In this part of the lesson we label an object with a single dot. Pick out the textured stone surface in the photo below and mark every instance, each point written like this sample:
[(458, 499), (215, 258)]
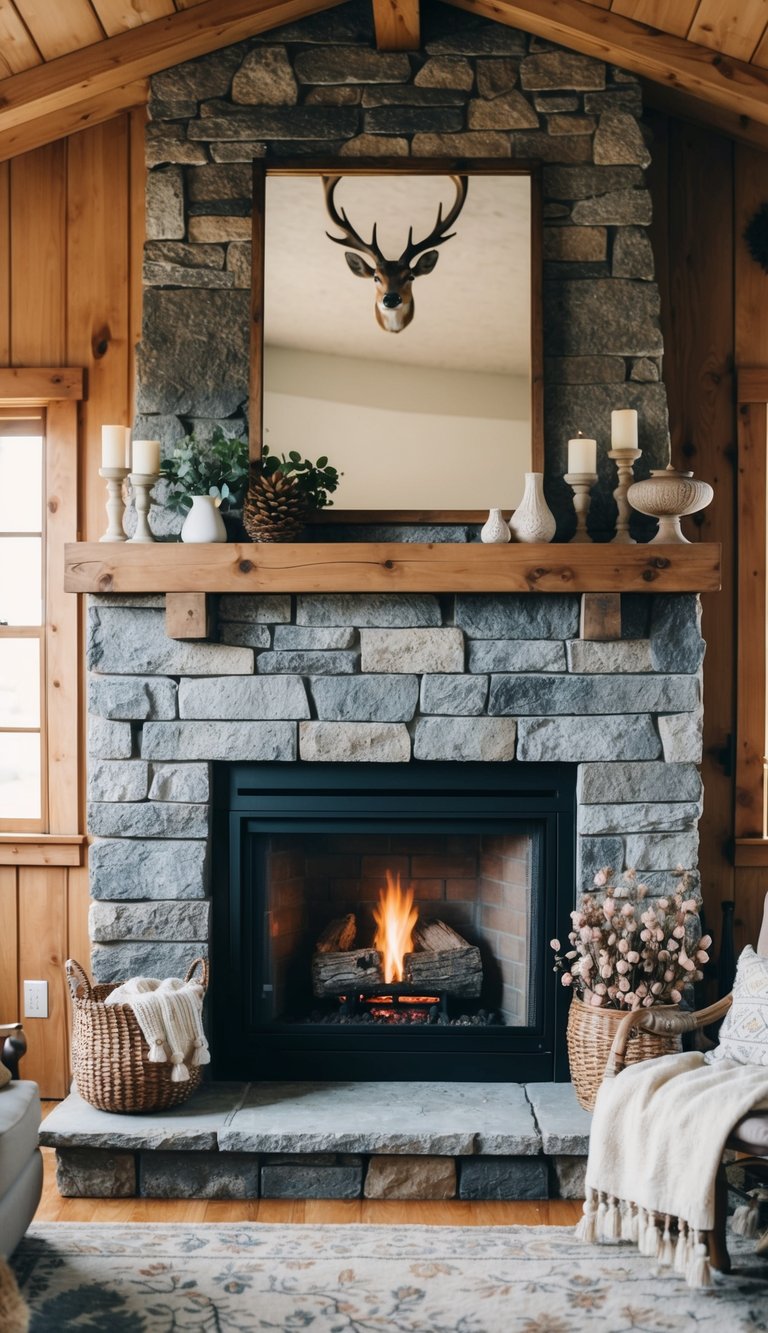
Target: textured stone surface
[(132, 697), (503, 1178), (375, 145), (219, 182), (367, 610), (682, 737), (676, 642), (243, 698), (109, 740), (619, 139), (412, 650), (480, 143), (562, 181), (151, 958), (213, 227), (166, 143), (638, 817), (575, 244), (365, 698), (413, 119), (277, 123), (273, 608), (632, 254), (193, 1125), (219, 740), (408, 1177), (288, 637), (495, 77), (550, 694), (570, 1174), (461, 696), (134, 641), (95, 1173), (196, 79), (311, 1182), (265, 78), (595, 854), (446, 72), (109, 921), (621, 208), (198, 1175), (474, 37), (601, 783), (118, 780), (573, 739), (307, 663), (585, 369), (122, 869), (486, 739), (165, 204), (180, 782), (351, 65), (623, 656), (181, 369), (561, 69), (354, 742), (422, 1118), (610, 315), (147, 819), (563, 1124), (517, 616), (661, 851), (510, 111), (516, 655)]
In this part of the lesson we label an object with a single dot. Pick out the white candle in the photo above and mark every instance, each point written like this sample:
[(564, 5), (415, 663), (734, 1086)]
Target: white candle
[(582, 455), (624, 428), (146, 457), (114, 446)]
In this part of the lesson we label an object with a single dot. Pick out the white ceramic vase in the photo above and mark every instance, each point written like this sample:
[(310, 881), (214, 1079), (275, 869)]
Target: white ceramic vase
[(495, 530), (669, 495), (533, 520), (203, 522)]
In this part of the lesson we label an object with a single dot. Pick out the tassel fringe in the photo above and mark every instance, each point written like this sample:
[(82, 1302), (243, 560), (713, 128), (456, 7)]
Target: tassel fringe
[(666, 1249), (699, 1274), (586, 1229), (608, 1219), (744, 1220), (612, 1221), (156, 1052), (680, 1264)]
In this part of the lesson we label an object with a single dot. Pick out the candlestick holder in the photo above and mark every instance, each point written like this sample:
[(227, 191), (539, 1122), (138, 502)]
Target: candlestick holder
[(114, 477), (581, 484), (624, 460), (142, 483)]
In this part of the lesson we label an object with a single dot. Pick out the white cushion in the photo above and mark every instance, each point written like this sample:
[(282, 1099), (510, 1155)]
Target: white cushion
[(744, 1033), (19, 1125)]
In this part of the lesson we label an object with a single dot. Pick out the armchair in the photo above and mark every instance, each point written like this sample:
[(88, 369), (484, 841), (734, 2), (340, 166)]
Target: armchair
[(21, 1163)]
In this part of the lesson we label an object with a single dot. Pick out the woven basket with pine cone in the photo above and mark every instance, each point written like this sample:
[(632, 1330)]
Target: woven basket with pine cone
[(283, 494)]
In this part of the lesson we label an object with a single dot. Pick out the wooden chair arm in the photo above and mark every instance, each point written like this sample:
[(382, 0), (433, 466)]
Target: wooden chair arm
[(660, 1020), (9, 1027)]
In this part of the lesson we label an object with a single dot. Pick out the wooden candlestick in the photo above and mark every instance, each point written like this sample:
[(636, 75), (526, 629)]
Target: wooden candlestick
[(581, 484), (624, 460), (114, 477), (142, 484)]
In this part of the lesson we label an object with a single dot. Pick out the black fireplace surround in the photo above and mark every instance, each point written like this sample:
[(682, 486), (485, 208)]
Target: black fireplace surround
[(261, 981)]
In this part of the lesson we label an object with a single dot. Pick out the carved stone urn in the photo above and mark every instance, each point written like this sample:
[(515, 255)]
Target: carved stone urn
[(533, 520), (669, 495)]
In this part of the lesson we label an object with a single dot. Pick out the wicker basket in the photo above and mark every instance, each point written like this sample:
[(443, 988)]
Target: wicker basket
[(590, 1035), (109, 1053)]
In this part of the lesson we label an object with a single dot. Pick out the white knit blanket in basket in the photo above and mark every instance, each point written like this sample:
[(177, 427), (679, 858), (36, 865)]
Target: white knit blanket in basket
[(657, 1138), (170, 1015)]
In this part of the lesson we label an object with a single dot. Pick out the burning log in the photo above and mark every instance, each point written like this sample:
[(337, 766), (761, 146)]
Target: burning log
[(335, 973), (444, 961), (338, 935)]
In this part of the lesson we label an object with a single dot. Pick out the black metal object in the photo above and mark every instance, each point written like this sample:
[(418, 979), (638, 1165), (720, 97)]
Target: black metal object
[(253, 801)]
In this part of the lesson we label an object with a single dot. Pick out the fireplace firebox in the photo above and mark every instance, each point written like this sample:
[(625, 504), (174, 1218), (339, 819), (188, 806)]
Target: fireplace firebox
[(389, 922)]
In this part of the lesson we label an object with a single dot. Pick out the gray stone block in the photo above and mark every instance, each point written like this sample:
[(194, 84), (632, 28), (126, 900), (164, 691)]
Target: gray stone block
[(374, 145), (446, 72), (118, 780), (122, 869), (181, 369), (603, 784), (262, 609), (161, 958), (619, 139), (682, 737), (187, 256), (621, 208), (637, 817), (165, 144), (586, 182), (561, 69), (365, 698), (595, 854), (147, 819), (194, 80), (242, 635), (242, 698), (344, 64), (266, 78), (516, 655), (109, 922), (132, 698), (351, 24), (517, 615), (198, 1175), (482, 739), (354, 742), (576, 739), (193, 1125), (633, 258), (368, 610), (624, 656), (413, 120), (509, 111), (419, 650), (483, 143), (307, 664), (134, 642), (164, 210), (503, 1178), (315, 123), (311, 1182), (607, 316), (219, 182), (180, 782), (173, 275), (676, 642), (231, 741), (409, 1177), (95, 1173), (662, 851), (571, 1177), (476, 38), (109, 740), (462, 696), (495, 77), (563, 1124), (542, 694), (296, 638), (406, 95)]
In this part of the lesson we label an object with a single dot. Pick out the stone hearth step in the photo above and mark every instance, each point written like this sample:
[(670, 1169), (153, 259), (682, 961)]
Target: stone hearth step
[(330, 1140)]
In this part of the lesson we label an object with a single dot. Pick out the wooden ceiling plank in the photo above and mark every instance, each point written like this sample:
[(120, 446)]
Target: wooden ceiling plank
[(682, 105), (760, 54), (17, 50), (733, 29), (60, 27), (119, 15), (397, 25), (673, 16), (652, 54), (107, 65), (91, 111)]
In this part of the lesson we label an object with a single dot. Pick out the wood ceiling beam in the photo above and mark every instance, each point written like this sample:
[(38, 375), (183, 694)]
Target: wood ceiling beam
[(81, 116), (654, 55), (397, 25), (103, 67)]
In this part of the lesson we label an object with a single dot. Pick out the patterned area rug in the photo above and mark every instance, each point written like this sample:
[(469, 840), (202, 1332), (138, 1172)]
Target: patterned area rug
[(366, 1279)]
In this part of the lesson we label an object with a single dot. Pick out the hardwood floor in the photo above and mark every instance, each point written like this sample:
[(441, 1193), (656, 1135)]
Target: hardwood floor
[(389, 1212)]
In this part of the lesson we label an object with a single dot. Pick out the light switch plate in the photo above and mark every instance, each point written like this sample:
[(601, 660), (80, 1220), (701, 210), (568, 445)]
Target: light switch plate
[(35, 999)]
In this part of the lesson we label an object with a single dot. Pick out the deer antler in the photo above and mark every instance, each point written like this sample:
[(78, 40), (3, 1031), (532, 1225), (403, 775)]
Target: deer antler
[(351, 238), (440, 230)]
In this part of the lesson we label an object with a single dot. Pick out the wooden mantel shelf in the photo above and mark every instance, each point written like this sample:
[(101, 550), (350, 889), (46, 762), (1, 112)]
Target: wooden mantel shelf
[(390, 567)]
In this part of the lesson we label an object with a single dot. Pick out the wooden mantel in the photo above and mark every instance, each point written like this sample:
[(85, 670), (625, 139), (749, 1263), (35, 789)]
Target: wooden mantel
[(170, 567)]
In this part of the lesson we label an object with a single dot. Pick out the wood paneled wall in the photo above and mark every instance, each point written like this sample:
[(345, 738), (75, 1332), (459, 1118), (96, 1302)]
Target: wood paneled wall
[(71, 232)]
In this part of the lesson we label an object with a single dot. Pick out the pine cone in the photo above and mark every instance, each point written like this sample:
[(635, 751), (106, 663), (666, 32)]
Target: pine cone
[(274, 509)]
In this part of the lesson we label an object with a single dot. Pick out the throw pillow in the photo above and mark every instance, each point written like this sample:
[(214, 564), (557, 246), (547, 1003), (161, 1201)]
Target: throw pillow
[(744, 1033)]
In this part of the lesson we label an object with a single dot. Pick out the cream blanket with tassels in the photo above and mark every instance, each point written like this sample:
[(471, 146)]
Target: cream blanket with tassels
[(657, 1138), (170, 1015)]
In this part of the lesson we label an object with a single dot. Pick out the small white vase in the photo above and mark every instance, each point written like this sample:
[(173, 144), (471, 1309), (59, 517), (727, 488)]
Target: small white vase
[(495, 530), (203, 522), (533, 520)]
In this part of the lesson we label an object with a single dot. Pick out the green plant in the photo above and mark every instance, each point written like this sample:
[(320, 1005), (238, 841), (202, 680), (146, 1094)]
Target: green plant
[(313, 481), (219, 469)]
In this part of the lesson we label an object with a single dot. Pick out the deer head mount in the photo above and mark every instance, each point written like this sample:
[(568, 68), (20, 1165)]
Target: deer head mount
[(393, 278)]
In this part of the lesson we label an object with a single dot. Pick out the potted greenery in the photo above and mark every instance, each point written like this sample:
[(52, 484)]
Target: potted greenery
[(284, 492), (206, 481)]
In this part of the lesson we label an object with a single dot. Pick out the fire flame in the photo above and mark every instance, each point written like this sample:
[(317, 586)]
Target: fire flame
[(395, 918)]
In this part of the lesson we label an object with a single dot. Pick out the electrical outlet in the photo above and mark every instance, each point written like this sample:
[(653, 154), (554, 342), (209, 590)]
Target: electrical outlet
[(35, 999)]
